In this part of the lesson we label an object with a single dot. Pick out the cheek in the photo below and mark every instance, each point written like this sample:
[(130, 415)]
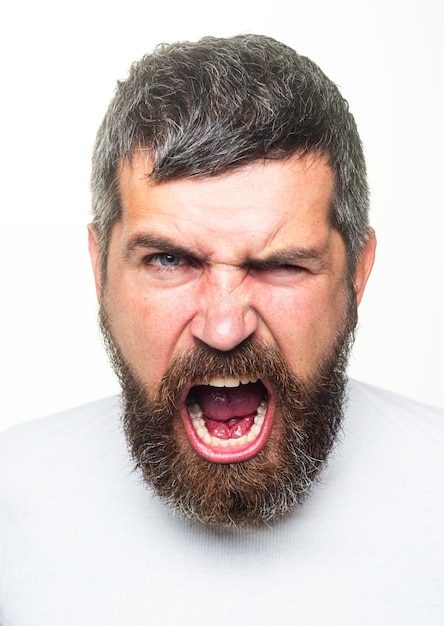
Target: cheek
[(147, 327), (304, 325)]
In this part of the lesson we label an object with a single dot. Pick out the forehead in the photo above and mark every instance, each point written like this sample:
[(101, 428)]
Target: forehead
[(263, 204)]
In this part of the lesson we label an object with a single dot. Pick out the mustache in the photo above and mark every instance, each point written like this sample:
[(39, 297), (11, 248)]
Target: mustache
[(250, 359)]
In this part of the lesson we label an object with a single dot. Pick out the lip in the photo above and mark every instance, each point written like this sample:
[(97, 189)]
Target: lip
[(232, 454)]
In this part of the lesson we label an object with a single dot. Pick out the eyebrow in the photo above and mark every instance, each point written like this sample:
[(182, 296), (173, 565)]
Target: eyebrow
[(291, 256), (157, 243), (288, 256)]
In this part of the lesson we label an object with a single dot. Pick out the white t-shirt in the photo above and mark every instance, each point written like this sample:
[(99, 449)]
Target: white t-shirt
[(85, 543)]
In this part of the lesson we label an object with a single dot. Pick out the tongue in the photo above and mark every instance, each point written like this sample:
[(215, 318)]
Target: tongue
[(233, 429), (224, 403)]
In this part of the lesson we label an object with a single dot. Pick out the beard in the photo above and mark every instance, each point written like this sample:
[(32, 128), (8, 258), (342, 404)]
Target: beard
[(261, 489)]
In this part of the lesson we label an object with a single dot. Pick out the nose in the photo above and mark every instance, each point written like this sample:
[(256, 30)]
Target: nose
[(225, 313)]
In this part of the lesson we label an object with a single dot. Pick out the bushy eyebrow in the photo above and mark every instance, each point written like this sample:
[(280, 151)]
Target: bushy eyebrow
[(146, 240), (291, 256), (317, 259)]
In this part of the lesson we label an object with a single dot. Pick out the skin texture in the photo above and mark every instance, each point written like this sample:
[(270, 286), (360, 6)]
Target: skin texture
[(215, 260)]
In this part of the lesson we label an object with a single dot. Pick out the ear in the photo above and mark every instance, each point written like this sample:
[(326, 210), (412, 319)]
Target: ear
[(93, 247), (364, 266)]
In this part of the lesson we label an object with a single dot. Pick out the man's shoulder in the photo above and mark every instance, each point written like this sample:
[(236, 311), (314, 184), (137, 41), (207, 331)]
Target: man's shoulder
[(374, 395), (91, 413), (65, 431), (392, 410)]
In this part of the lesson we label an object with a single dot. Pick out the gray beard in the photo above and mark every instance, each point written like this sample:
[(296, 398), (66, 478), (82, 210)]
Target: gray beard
[(264, 487)]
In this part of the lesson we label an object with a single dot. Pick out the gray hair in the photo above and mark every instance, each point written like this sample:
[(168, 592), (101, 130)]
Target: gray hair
[(207, 107)]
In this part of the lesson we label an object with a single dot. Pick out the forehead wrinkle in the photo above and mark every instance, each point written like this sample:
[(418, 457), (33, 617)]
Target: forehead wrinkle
[(217, 243)]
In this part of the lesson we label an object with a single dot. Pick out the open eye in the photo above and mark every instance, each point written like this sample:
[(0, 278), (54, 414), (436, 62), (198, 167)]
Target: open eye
[(163, 259), (170, 269)]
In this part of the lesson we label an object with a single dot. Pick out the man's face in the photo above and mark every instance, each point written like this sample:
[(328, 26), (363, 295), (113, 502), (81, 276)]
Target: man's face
[(216, 265)]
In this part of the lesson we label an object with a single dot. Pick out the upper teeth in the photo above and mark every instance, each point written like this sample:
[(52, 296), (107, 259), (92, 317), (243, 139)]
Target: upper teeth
[(229, 381)]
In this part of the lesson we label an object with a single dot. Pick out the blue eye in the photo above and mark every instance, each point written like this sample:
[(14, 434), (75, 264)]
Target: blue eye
[(169, 268), (166, 260)]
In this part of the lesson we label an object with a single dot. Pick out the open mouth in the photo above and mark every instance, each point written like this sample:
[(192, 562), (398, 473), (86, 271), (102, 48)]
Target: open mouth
[(228, 420)]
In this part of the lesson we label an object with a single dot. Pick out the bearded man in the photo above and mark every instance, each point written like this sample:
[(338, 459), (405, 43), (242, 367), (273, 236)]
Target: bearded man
[(231, 246)]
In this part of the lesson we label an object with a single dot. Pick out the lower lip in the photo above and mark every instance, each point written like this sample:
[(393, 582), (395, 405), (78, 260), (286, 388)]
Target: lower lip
[(231, 454)]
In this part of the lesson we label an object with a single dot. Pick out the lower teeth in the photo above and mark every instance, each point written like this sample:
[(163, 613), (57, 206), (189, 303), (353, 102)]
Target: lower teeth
[(196, 416)]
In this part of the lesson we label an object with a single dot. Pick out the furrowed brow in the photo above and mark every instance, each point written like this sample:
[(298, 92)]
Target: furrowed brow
[(312, 258), (151, 242), (315, 259)]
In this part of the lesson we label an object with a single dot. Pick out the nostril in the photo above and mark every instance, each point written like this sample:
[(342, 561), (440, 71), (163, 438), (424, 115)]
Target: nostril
[(224, 325)]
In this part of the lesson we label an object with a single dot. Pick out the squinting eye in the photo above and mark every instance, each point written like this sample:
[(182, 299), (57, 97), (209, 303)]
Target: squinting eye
[(281, 274), (293, 268)]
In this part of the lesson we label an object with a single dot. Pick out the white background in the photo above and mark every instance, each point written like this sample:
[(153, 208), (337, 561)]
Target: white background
[(59, 67)]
